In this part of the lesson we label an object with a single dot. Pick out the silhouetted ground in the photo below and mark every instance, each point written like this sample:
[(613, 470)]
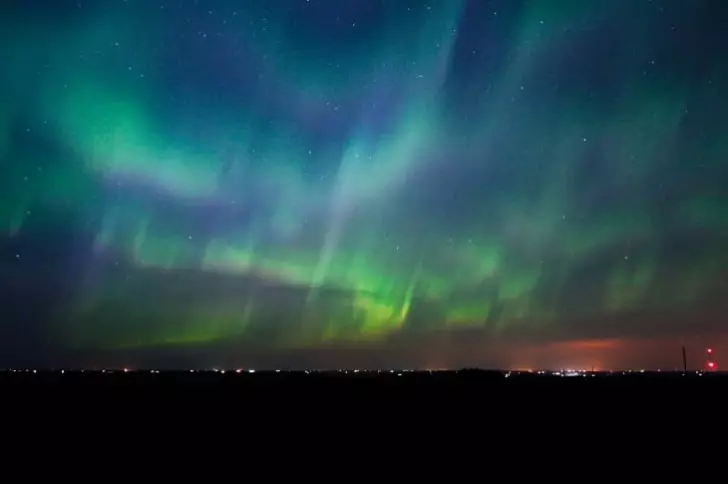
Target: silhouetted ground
[(352, 402)]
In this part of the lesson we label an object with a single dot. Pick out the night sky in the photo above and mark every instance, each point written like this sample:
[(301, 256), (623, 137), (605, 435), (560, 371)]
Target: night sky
[(327, 183)]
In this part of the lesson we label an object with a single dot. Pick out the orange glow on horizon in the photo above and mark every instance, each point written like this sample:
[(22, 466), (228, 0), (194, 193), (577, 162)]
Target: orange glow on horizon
[(589, 344)]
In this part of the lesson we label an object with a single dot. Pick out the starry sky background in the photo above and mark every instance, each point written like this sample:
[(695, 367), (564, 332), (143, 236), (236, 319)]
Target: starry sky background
[(328, 183)]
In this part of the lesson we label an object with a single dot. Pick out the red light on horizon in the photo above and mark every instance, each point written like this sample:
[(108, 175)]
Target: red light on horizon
[(711, 365), (710, 350)]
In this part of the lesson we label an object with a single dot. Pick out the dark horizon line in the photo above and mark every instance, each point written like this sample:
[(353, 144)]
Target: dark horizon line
[(350, 371)]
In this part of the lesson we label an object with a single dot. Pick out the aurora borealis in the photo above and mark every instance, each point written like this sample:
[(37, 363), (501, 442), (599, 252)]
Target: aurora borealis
[(427, 182)]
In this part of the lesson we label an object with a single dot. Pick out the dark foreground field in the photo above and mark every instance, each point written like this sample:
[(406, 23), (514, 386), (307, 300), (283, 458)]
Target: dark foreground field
[(349, 399)]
